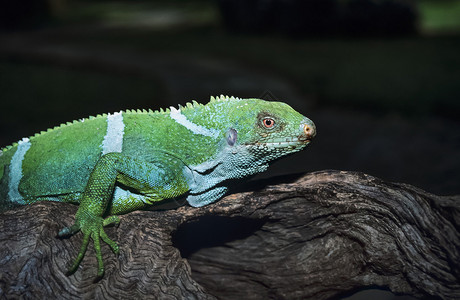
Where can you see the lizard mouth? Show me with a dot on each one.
(293, 142)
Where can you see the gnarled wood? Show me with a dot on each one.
(324, 234)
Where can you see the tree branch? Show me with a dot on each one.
(323, 235)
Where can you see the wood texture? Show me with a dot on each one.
(319, 236)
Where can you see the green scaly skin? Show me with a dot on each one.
(114, 164)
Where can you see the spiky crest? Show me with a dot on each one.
(224, 98)
(188, 105)
(4, 149)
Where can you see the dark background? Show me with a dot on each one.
(380, 78)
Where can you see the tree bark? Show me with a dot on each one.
(318, 236)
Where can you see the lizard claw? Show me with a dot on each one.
(69, 231)
(80, 255)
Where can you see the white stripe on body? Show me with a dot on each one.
(197, 129)
(113, 139)
(15, 172)
(113, 142)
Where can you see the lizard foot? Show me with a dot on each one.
(91, 227)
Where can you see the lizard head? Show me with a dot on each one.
(255, 132)
(269, 130)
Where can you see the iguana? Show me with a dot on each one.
(131, 160)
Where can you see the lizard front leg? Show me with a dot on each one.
(158, 180)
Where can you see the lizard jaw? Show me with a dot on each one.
(286, 142)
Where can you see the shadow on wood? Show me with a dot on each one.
(321, 236)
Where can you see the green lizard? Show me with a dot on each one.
(117, 163)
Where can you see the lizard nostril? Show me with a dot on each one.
(309, 131)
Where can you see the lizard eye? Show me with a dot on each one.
(268, 123)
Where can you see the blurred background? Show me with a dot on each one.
(380, 78)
